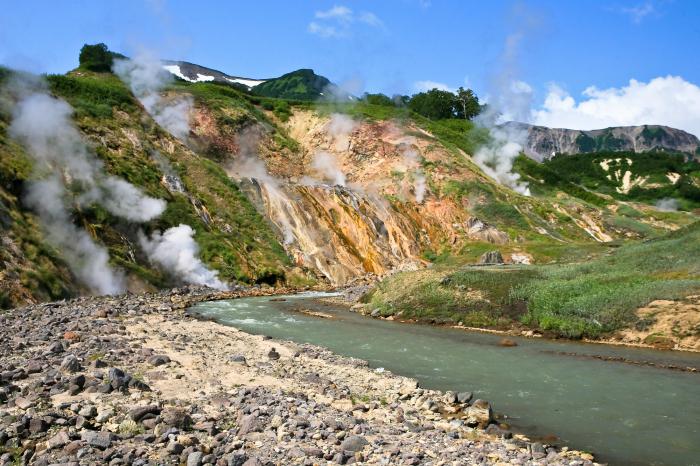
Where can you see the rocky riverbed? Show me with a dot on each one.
(136, 380)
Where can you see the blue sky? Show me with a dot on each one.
(378, 46)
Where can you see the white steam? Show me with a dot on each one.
(176, 251)
(88, 260)
(419, 181)
(146, 77)
(339, 128)
(511, 101)
(248, 165)
(667, 204)
(43, 124)
(327, 166)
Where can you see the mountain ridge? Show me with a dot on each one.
(545, 142)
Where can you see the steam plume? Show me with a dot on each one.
(248, 165)
(339, 129)
(667, 204)
(419, 182)
(176, 251)
(511, 101)
(43, 124)
(146, 77)
(88, 260)
(326, 164)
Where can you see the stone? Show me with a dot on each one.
(71, 336)
(195, 458)
(37, 425)
(103, 416)
(101, 440)
(249, 424)
(273, 355)
(237, 459)
(479, 414)
(158, 360)
(176, 417)
(88, 411)
(117, 378)
(464, 397)
(239, 358)
(491, 258)
(70, 364)
(252, 462)
(353, 443)
(140, 412)
(34, 367)
(23, 403)
(59, 440)
(174, 448)
(56, 347)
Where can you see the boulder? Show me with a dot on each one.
(479, 414)
(70, 364)
(490, 258)
(353, 443)
(176, 417)
(158, 360)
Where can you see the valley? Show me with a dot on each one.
(138, 186)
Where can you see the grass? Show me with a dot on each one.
(587, 299)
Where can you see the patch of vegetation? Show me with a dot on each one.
(577, 300)
(93, 95)
(301, 84)
(97, 58)
(584, 175)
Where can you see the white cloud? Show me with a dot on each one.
(638, 12)
(670, 101)
(339, 12)
(424, 86)
(323, 31)
(336, 22)
(371, 19)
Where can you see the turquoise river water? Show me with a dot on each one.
(624, 413)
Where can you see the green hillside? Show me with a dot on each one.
(301, 84)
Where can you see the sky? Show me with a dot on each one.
(583, 64)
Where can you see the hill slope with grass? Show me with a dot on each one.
(582, 299)
(289, 192)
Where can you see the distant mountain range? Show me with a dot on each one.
(301, 84)
(543, 143)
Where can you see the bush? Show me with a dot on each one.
(97, 58)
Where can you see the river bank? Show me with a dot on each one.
(669, 325)
(136, 380)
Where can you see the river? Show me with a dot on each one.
(623, 413)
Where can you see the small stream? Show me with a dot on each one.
(625, 414)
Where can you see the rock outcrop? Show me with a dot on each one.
(543, 142)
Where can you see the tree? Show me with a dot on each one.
(96, 58)
(468, 104)
(378, 99)
(434, 104)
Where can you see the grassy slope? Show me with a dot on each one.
(572, 300)
(237, 241)
(580, 174)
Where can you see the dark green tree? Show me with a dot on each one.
(96, 57)
(434, 104)
(467, 104)
(378, 99)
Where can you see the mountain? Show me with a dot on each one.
(196, 73)
(301, 84)
(543, 142)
